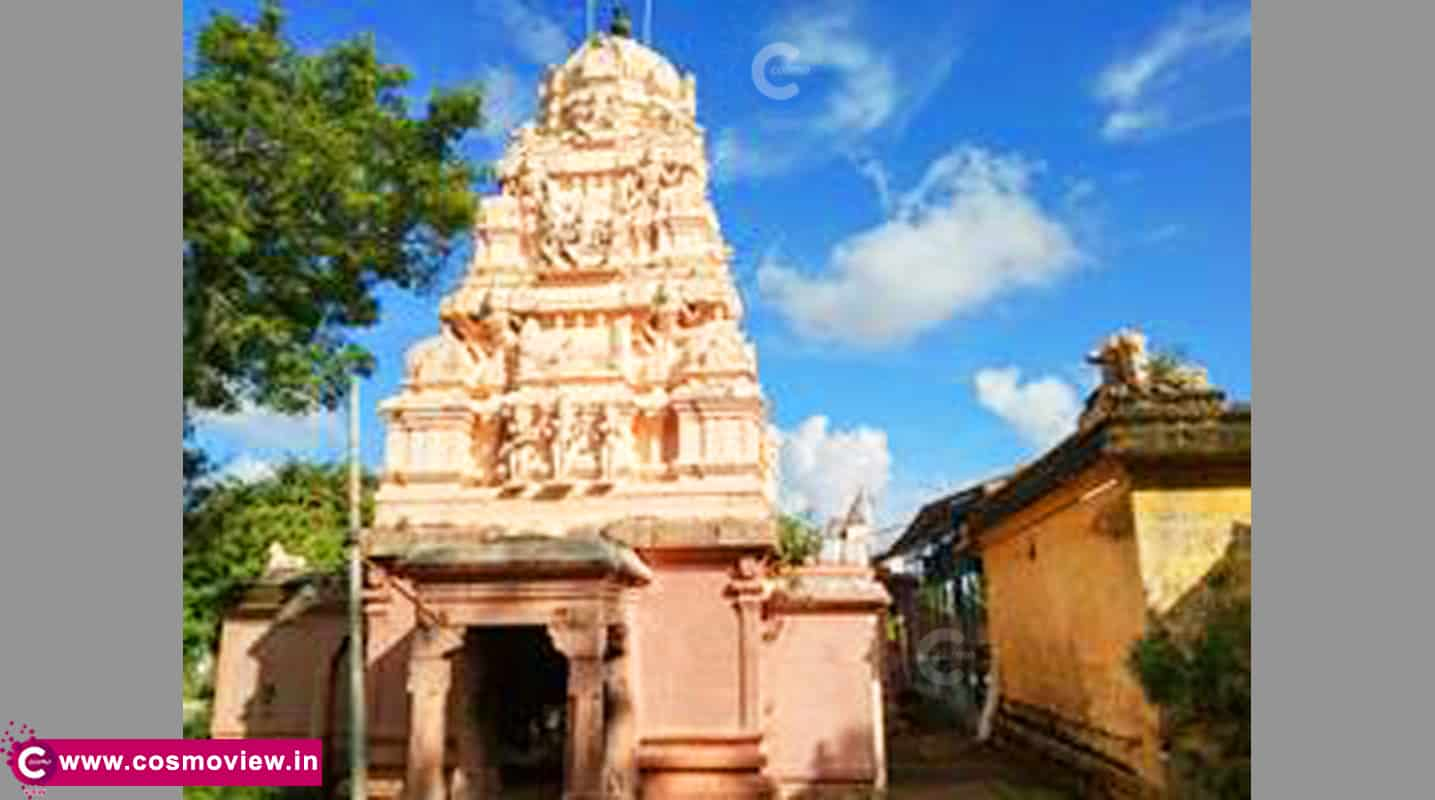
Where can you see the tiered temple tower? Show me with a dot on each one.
(593, 354)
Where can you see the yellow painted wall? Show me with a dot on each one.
(1062, 622)
(1183, 525)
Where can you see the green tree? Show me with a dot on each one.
(797, 540)
(308, 184)
(1195, 666)
(227, 533)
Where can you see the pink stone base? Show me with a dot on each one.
(692, 785)
(704, 766)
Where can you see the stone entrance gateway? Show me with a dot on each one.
(579, 594)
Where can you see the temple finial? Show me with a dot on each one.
(621, 25)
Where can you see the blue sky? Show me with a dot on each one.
(957, 203)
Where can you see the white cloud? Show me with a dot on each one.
(970, 231)
(1043, 411)
(536, 36)
(822, 469)
(855, 79)
(1137, 89)
(256, 429)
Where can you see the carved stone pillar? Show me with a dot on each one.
(430, 678)
(581, 638)
(471, 779)
(620, 720)
(747, 589)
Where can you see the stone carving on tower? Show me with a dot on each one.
(594, 350)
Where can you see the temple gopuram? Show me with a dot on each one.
(570, 589)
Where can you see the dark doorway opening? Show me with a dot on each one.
(521, 708)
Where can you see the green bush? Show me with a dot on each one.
(1195, 666)
(797, 540)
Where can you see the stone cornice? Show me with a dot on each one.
(649, 533)
(520, 557)
(1136, 432)
(819, 590)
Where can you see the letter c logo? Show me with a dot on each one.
(35, 763)
(24, 762)
(781, 50)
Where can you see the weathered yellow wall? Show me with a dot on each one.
(1062, 622)
(1183, 525)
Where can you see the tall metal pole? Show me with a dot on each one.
(588, 34)
(648, 23)
(358, 735)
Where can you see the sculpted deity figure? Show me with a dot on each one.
(666, 330)
(521, 441)
(616, 442)
(446, 358)
(560, 225)
(620, 345)
(629, 205)
(529, 345)
(529, 185)
(563, 437)
(604, 113)
(650, 180)
(1122, 358)
(718, 346)
(675, 180)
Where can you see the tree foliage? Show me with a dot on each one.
(228, 530)
(797, 540)
(1195, 665)
(307, 185)
(1167, 362)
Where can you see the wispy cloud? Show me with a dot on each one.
(853, 83)
(508, 100)
(1042, 411)
(1140, 90)
(511, 89)
(535, 35)
(970, 231)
